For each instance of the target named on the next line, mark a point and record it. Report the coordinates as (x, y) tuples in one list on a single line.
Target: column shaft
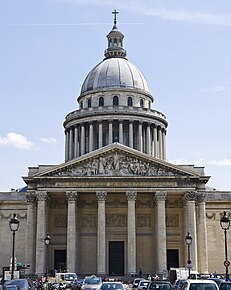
[(67, 145), (71, 231), (161, 230), (131, 197), (90, 137), (140, 137), (110, 133), (76, 143), (121, 133), (101, 233), (41, 233), (100, 135), (131, 134), (82, 139), (148, 141)]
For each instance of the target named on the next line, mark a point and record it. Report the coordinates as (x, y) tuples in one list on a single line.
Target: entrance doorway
[(60, 259), (116, 258), (172, 258)]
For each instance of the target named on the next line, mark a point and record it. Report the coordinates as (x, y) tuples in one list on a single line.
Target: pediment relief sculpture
[(116, 164)]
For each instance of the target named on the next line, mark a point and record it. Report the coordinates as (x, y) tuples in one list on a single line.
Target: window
[(130, 102), (115, 101), (101, 101), (141, 103), (81, 105), (89, 103)]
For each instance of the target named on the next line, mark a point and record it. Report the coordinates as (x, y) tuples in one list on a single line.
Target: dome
[(115, 72)]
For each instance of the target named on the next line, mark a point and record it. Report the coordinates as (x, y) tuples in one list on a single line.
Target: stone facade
[(115, 205)]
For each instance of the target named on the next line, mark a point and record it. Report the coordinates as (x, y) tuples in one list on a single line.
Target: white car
[(200, 285), (91, 283)]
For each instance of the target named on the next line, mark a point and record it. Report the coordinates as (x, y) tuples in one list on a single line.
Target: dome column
[(121, 132), (71, 143), (148, 139), (164, 144), (100, 127), (110, 132), (159, 131), (82, 139), (131, 134), (76, 143), (155, 141), (67, 145), (90, 136), (140, 137)]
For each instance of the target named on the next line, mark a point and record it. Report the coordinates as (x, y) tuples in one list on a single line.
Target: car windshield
[(70, 276), (161, 286), (225, 286), (112, 286), (202, 286), (20, 283), (92, 280)]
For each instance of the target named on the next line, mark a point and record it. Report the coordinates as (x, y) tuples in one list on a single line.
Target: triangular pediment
[(116, 160)]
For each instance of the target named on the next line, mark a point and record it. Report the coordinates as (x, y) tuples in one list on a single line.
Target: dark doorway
[(60, 259), (116, 258), (172, 258)]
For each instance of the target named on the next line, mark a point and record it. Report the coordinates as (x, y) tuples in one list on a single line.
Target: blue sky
[(48, 46)]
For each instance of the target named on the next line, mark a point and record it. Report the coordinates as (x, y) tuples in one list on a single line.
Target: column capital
[(160, 195), (190, 196), (71, 195), (30, 197), (101, 195), (42, 196), (201, 196), (131, 195)]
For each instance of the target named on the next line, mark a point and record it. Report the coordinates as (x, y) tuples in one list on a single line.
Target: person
[(140, 272)]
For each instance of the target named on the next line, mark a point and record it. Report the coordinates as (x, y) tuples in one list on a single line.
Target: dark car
[(225, 285), (179, 283), (217, 280), (160, 285), (23, 284)]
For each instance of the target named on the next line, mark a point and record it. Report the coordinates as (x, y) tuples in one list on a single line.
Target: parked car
[(12, 287), (217, 280), (225, 285), (143, 284), (91, 282), (200, 285), (112, 286), (159, 285), (179, 283), (23, 284), (136, 282)]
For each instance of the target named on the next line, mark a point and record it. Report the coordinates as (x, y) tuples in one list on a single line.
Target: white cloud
[(215, 89), (154, 8), (223, 162), (184, 161), (49, 140), (16, 140)]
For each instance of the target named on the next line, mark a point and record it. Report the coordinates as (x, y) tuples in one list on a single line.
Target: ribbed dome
[(115, 72)]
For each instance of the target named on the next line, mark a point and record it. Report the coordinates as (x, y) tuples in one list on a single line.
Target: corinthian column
[(101, 233), (42, 197), (190, 198), (30, 232), (71, 231), (131, 198), (160, 197), (202, 235)]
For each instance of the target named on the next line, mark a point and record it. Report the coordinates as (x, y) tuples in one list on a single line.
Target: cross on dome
[(115, 12)]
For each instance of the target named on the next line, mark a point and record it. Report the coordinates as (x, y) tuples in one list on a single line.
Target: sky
[(47, 48)]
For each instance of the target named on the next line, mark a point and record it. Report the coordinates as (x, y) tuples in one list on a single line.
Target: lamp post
[(225, 224), (188, 240), (14, 225), (47, 240)]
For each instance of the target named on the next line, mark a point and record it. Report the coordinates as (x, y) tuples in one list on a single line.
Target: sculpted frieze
[(116, 220), (116, 164), (143, 220)]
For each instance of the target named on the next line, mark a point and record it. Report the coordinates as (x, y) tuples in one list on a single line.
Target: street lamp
[(188, 240), (225, 224), (14, 225), (47, 240)]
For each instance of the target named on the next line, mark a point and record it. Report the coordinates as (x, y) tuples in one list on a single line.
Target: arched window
[(130, 102), (81, 104), (101, 101), (115, 101), (115, 42), (89, 103), (141, 103)]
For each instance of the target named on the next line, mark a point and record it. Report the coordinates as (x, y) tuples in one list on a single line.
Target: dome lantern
[(115, 41)]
